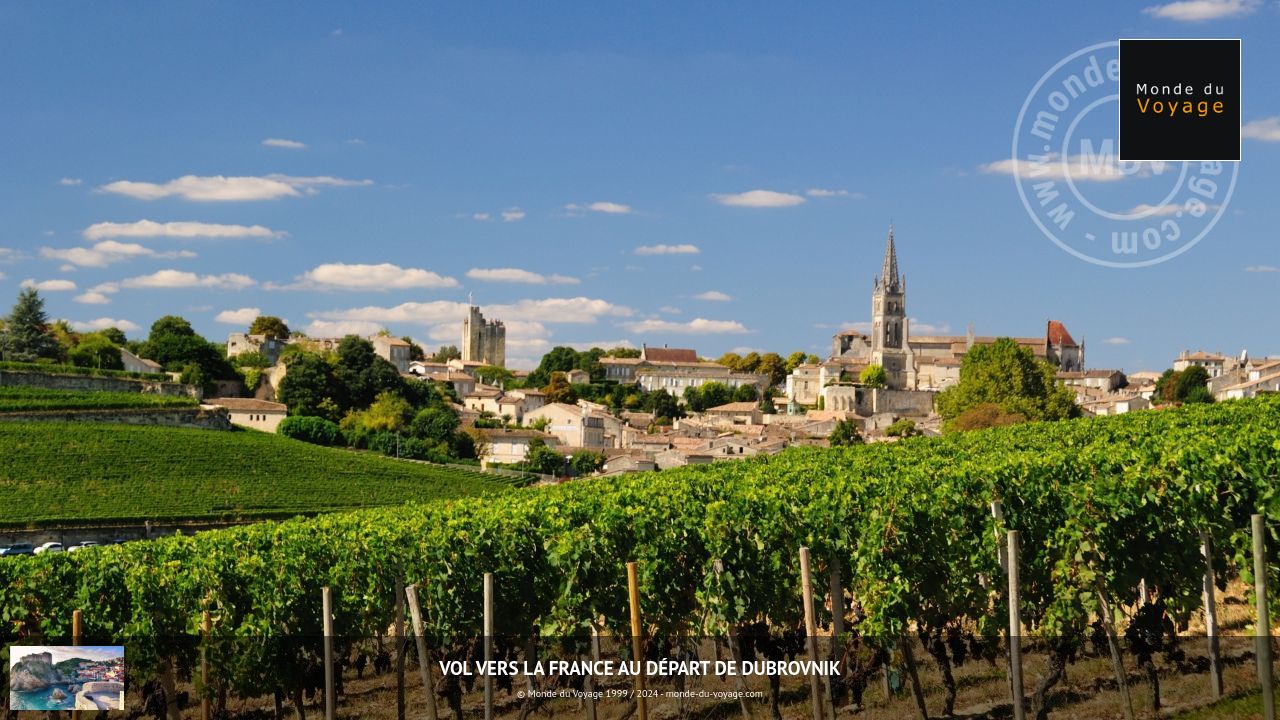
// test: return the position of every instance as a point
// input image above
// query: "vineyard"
(1102, 506)
(76, 370)
(26, 399)
(67, 474)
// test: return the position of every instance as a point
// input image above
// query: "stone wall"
(203, 417)
(89, 383)
(902, 402)
(105, 532)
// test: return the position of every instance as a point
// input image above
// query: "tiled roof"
(1058, 334)
(734, 407)
(663, 354)
(247, 404)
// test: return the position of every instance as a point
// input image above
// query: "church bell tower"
(889, 348)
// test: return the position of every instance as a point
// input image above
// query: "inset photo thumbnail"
(66, 677)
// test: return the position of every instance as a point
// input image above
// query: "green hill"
(68, 473)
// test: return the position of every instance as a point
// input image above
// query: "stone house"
(510, 447)
(133, 363)
(257, 414)
(393, 350)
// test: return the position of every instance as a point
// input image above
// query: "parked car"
(51, 547)
(18, 549)
(82, 545)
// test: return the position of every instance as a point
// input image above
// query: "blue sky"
(584, 171)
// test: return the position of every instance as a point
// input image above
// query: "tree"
(416, 353)
(311, 388)
(1010, 377)
(445, 354)
(493, 375)
(902, 427)
(314, 430)
(115, 335)
(96, 351)
(27, 336)
(774, 366)
(542, 459)
(873, 376)
(65, 335)
(269, 325)
(664, 405)
(434, 423)
(558, 390)
(795, 360)
(986, 415)
(745, 393)
(388, 413)
(766, 402)
(175, 345)
(560, 359)
(844, 434)
(363, 373)
(1193, 385)
(586, 462)
(709, 395)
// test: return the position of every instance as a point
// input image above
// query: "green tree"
(269, 325)
(175, 345)
(902, 427)
(709, 395)
(416, 353)
(388, 413)
(311, 388)
(663, 405)
(1010, 377)
(985, 415)
(364, 374)
(1192, 386)
(559, 359)
(493, 375)
(445, 354)
(95, 350)
(434, 423)
(115, 335)
(27, 335)
(745, 393)
(558, 390)
(774, 366)
(795, 360)
(873, 376)
(845, 433)
(586, 462)
(251, 359)
(542, 459)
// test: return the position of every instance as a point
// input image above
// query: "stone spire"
(889, 279)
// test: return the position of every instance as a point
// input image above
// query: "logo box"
(1179, 100)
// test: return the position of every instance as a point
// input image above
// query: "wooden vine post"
(835, 594)
(811, 633)
(1015, 627)
(1104, 614)
(400, 650)
(488, 645)
(206, 628)
(1263, 630)
(1211, 616)
(735, 654)
(637, 638)
(330, 700)
(424, 658)
(77, 627)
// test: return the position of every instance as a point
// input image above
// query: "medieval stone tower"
(483, 340)
(889, 347)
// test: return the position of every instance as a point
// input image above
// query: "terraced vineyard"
(26, 399)
(71, 473)
(1102, 505)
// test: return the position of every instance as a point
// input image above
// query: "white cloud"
(610, 207)
(49, 285)
(1197, 10)
(575, 310)
(243, 316)
(1116, 341)
(758, 199)
(697, 326)
(603, 344)
(2, 276)
(1162, 210)
(668, 309)
(1262, 269)
(512, 214)
(9, 255)
(384, 276)
(1267, 129)
(354, 141)
(219, 188)
(481, 216)
(107, 252)
(1080, 168)
(103, 323)
(283, 143)
(825, 193)
(516, 275)
(341, 328)
(150, 228)
(70, 181)
(179, 279)
(667, 250)
(713, 296)
(92, 297)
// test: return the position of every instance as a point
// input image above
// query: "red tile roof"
(1058, 334)
(669, 354)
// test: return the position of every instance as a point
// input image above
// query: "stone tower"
(889, 347)
(483, 340)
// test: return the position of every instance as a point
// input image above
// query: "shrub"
(315, 430)
(902, 428)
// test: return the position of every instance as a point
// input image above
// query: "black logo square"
(1179, 100)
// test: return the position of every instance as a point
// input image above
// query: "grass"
(1243, 707)
(55, 473)
(25, 399)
